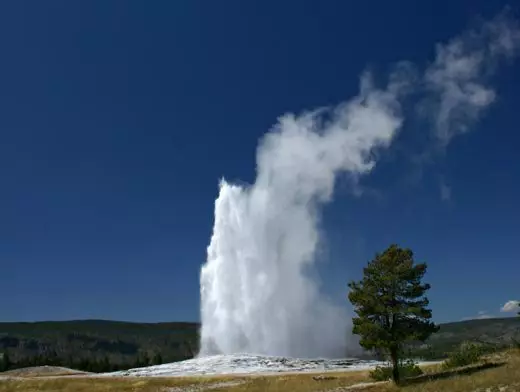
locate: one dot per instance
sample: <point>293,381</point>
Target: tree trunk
<point>395,364</point>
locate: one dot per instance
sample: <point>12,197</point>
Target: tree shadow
<point>452,372</point>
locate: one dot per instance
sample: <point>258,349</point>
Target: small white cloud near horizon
<point>481,315</point>
<point>511,306</point>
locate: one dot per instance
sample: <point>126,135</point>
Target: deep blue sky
<point>117,119</point>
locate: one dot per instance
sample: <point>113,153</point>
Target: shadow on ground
<point>450,373</point>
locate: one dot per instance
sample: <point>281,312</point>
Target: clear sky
<point>118,118</point>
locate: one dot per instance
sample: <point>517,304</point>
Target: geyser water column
<point>256,294</point>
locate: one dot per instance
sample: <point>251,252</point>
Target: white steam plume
<point>457,82</point>
<point>256,294</point>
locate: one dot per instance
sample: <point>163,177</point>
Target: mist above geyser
<point>257,296</point>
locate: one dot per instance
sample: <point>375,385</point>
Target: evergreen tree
<point>105,365</point>
<point>5,362</point>
<point>84,364</point>
<point>145,360</point>
<point>157,359</point>
<point>391,305</point>
<point>137,362</point>
<point>70,363</point>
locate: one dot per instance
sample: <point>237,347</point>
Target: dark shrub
<point>467,354</point>
<point>407,368</point>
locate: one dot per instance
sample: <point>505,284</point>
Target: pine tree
<point>145,359</point>
<point>5,363</point>
<point>70,362</point>
<point>137,362</point>
<point>105,364</point>
<point>391,305</point>
<point>157,359</point>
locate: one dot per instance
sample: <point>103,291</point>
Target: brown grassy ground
<point>42,371</point>
<point>300,383</point>
<point>503,378</point>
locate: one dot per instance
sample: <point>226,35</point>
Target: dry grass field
<point>500,373</point>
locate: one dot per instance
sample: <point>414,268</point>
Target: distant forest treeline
<point>97,345</point>
<point>103,346</point>
<point>90,364</point>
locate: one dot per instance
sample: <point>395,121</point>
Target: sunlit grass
<point>288,382</point>
<point>505,376</point>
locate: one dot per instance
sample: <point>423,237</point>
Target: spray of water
<point>257,296</point>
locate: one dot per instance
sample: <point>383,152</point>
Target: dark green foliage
<point>407,369</point>
<point>468,353</point>
<point>5,361</point>
<point>96,345</point>
<point>85,364</point>
<point>515,343</point>
<point>390,304</point>
<point>157,359</point>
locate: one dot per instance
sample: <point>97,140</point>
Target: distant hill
<point>497,331</point>
<point>115,341</point>
<point>126,343</point>
<point>492,333</point>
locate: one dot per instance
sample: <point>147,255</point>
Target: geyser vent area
<point>244,364</point>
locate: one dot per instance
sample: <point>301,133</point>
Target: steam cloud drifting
<point>457,82</point>
<point>256,296</point>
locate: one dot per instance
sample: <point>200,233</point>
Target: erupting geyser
<point>256,294</point>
